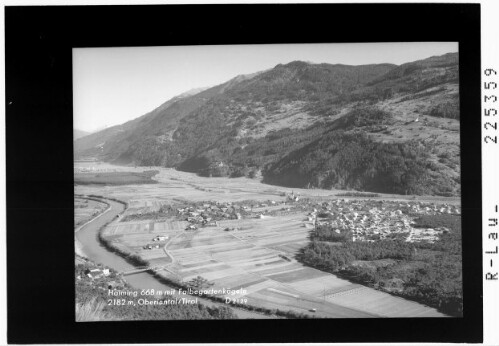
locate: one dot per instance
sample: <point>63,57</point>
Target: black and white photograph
<point>249,173</point>
<point>267,181</point>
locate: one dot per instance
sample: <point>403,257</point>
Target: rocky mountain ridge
<point>381,127</point>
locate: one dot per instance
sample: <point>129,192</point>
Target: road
<point>95,251</point>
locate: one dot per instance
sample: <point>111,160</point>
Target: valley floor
<point>257,257</point>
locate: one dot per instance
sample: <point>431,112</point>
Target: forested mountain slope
<point>376,127</point>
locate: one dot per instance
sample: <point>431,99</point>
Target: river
<point>95,251</point>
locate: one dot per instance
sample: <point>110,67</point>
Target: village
<point>208,214</point>
<point>371,220</point>
<point>244,234</point>
<point>367,220</point>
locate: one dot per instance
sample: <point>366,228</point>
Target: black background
<point>39,133</point>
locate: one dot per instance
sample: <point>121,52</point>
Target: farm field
<point>182,186</point>
<point>86,209</point>
<point>257,255</point>
<point>115,178</point>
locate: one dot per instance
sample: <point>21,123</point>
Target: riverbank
<point>98,252</point>
<point>78,246</point>
<point>138,261</point>
<point>250,255</point>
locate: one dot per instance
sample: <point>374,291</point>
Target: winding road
<point>87,236</point>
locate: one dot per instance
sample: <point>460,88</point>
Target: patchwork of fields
<point>259,258</point>
<point>86,209</point>
<point>256,255</point>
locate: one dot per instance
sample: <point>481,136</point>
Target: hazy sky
<point>114,85</point>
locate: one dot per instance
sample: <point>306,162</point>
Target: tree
<point>199,283</point>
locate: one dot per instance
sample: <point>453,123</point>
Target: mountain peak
<point>275,121</point>
<point>296,64</point>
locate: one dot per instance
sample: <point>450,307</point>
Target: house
<point>160,238</point>
<point>96,273</point>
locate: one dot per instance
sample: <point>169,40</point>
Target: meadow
<point>257,254</point>
<point>115,178</point>
<point>86,209</point>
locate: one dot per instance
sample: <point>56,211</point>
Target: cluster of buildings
<point>205,213</point>
<point>158,238</point>
<point>92,169</point>
<point>208,214</point>
<point>99,277</point>
<point>376,220</point>
<point>292,197</point>
<point>94,273</point>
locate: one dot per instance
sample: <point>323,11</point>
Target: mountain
<point>378,127</point>
<point>79,133</point>
<point>107,142</point>
<point>192,92</point>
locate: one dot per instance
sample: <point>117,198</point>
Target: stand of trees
<point>353,161</point>
<point>337,155</point>
<point>430,273</point>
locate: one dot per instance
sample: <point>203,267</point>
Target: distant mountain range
<point>79,133</point>
<point>379,127</point>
